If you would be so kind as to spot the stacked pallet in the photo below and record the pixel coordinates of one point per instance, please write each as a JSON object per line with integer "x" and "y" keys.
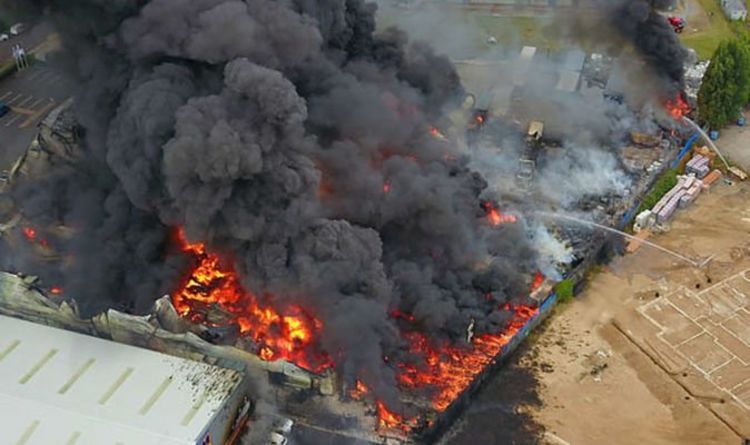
{"x": 686, "y": 191}
{"x": 699, "y": 166}
{"x": 691, "y": 194}
{"x": 711, "y": 178}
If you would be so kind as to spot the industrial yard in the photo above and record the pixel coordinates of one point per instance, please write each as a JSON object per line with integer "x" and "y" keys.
{"x": 673, "y": 335}
{"x": 500, "y": 226}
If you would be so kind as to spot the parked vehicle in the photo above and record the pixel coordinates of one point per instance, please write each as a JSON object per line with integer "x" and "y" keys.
{"x": 4, "y": 109}
{"x": 283, "y": 426}
{"x": 277, "y": 439}
{"x": 4, "y": 37}
{"x": 17, "y": 29}
{"x": 678, "y": 23}
{"x": 281, "y": 429}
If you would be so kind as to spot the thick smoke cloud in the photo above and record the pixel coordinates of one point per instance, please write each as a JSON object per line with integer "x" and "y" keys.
{"x": 653, "y": 37}
{"x": 269, "y": 130}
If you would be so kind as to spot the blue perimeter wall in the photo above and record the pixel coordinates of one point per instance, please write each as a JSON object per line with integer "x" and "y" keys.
{"x": 551, "y": 300}
{"x": 544, "y": 310}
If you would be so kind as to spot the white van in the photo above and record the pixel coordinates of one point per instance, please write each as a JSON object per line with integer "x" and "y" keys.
{"x": 17, "y": 29}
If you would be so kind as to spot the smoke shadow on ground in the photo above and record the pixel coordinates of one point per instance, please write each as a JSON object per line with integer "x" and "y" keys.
{"x": 498, "y": 414}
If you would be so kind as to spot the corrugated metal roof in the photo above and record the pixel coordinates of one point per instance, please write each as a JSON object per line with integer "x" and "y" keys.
{"x": 523, "y": 64}
{"x": 60, "y": 387}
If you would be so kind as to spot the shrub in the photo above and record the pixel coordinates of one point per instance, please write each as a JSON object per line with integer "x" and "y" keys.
{"x": 664, "y": 184}
{"x": 564, "y": 290}
{"x": 7, "y": 69}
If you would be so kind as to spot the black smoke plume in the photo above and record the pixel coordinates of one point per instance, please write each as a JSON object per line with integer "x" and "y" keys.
{"x": 640, "y": 23}
{"x": 267, "y": 129}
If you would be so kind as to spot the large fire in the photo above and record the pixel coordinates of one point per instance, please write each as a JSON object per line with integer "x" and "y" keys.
{"x": 495, "y": 216}
{"x": 289, "y": 335}
{"x": 677, "y": 107}
{"x": 443, "y": 371}
{"x": 448, "y": 370}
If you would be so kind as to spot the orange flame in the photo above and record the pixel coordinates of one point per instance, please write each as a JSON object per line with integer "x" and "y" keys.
{"x": 29, "y": 233}
{"x": 677, "y": 107}
{"x": 496, "y": 217}
{"x": 32, "y": 236}
{"x": 359, "y": 391}
{"x": 437, "y": 134}
{"x": 538, "y": 281}
{"x": 449, "y": 370}
{"x": 389, "y": 420}
{"x": 211, "y": 284}
{"x": 56, "y": 290}
{"x": 446, "y": 370}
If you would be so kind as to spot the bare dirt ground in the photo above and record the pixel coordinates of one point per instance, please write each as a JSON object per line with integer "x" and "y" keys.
{"x": 653, "y": 351}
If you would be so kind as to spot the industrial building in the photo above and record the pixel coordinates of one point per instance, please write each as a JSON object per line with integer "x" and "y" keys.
{"x": 61, "y": 387}
{"x": 734, "y": 9}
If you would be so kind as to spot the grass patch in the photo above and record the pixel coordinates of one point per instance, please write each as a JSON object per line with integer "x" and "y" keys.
{"x": 719, "y": 28}
{"x": 564, "y": 290}
{"x": 7, "y": 70}
{"x": 666, "y": 181}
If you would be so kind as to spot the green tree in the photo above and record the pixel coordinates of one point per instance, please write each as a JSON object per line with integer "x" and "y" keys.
{"x": 743, "y": 66}
{"x": 726, "y": 85}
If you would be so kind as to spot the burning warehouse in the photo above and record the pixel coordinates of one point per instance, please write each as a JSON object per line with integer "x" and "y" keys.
{"x": 278, "y": 172}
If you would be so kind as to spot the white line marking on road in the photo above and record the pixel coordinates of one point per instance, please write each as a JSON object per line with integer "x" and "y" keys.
{"x": 6, "y": 118}
{"x": 25, "y": 101}
{"x": 36, "y": 103}
{"x": 6, "y": 95}
{"x": 14, "y": 99}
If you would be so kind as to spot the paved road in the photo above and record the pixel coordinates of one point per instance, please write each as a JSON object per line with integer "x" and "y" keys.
{"x": 29, "y": 40}
{"x": 31, "y": 94}
{"x": 734, "y": 143}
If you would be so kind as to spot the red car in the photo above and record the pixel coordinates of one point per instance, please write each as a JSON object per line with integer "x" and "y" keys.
{"x": 678, "y": 23}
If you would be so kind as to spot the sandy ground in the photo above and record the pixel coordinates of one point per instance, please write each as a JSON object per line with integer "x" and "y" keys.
{"x": 596, "y": 385}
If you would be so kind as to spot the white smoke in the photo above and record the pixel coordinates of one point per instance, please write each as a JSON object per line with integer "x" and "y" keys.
{"x": 552, "y": 253}
{"x": 578, "y": 171}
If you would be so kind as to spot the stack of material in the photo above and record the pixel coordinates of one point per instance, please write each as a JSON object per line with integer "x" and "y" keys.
{"x": 711, "y": 178}
{"x": 737, "y": 173}
{"x": 644, "y": 220}
{"x": 705, "y": 152}
{"x": 691, "y": 194}
{"x": 698, "y": 166}
{"x": 687, "y": 189}
{"x": 645, "y": 139}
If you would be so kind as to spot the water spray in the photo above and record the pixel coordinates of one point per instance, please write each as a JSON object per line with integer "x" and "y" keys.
{"x": 705, "y": 136}
{"x": 558, "y": 216}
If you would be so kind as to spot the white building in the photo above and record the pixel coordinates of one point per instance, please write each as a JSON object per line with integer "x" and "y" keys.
{"x": 734, "y": 9}
{"x": 60, "y": 387}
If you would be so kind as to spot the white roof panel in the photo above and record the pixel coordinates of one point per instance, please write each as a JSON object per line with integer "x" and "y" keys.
{"x": 68, "y": 388}
{"x": 568, "y": 81}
